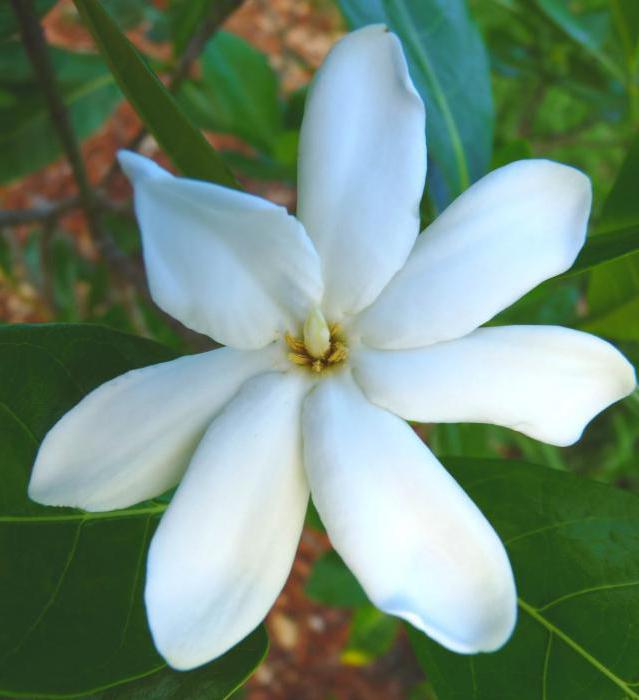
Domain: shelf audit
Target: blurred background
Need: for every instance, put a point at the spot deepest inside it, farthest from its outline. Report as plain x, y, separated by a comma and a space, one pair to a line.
563, 85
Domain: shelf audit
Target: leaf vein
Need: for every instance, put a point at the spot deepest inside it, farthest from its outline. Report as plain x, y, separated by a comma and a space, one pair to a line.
586, 591
52, 598
576, 647
20, 422
440, 96
84, 516
559, 525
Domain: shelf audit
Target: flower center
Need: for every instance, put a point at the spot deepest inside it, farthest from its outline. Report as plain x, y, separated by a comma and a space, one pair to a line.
320, 346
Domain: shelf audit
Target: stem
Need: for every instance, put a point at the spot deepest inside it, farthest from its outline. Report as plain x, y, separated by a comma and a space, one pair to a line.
46, 212
88, 199
220, 11
217, 15
36, 48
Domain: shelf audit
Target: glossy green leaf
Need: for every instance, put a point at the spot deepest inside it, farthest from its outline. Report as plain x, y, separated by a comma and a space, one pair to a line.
211, 682
621, 208
601, 249
157, 108
331, 583
449, 66
73, 619
237, 93
28, 139
613, 292
619, 320
127, 13
573, 545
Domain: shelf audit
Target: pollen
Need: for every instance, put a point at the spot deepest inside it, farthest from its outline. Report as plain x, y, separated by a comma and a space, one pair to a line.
319, 347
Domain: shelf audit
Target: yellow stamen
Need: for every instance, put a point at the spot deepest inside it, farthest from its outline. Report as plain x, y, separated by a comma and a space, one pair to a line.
339, 353
321, 346
297, 346
299, 359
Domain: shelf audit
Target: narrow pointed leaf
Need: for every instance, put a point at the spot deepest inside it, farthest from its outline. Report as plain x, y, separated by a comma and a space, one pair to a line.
157, 108
613, 291
601, 249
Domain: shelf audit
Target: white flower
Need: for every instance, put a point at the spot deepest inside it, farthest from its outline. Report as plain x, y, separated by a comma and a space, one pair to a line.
340, 324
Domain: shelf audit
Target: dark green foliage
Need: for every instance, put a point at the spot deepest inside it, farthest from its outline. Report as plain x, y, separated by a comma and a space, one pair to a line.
573, 545
502, 80
73, 619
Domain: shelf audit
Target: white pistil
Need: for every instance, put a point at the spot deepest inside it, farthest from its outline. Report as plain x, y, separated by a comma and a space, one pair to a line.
317, 335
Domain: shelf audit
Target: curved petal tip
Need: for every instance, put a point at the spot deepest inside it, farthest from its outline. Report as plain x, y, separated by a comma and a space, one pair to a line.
137, 167
475, 627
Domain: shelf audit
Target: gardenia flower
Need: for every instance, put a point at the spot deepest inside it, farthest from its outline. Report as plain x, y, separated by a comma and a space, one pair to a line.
341, 324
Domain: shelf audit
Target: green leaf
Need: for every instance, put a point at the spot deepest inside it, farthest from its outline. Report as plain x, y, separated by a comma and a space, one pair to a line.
517, 149
626, 17
422, 691
613, 292
619, 320
185, 16
573, 546
589, 29
449, 66
621, 208
211, 682
331, 583
28, 139
73, 620
601, 249
371, 635
128, 13
237, 94
157, 108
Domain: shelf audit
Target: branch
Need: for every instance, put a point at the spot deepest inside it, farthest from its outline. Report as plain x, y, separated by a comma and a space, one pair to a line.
219, 13
36, 48
44, 213
91, 202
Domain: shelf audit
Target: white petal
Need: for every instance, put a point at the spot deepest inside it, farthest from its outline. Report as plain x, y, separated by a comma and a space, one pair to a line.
515, 228
545, 381
131, 438
226, 544
222, 262
418, 545
362, 167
